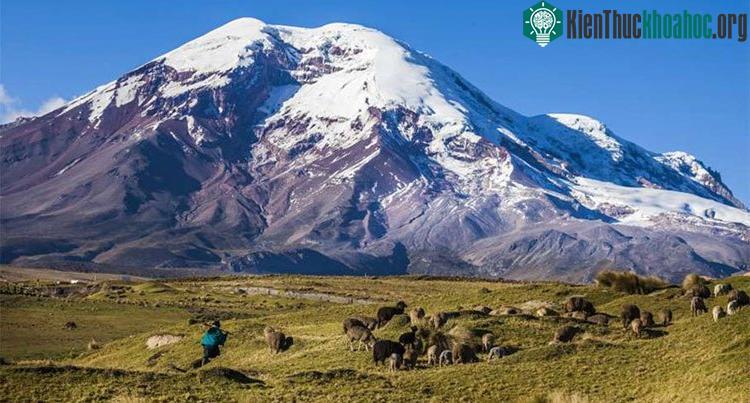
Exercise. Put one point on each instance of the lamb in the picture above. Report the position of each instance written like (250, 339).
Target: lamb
(394, 361)
(740, 296)
(628, 313)
(277, 341)
(362, 335)
(488, 340)
(578, 304)
(666, 317)
(647, 319)
(408, 338)
(721, 289)
(697, 306)
(732, 307)
(497, 352)
(432, 358)
(636, 326)
(718, 313)
(446, 357)
(385, 313)
(382, 349)
(463, 354)
(416, 315)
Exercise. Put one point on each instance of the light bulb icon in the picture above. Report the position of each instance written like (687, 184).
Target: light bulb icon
(542, 19)
(542, 22)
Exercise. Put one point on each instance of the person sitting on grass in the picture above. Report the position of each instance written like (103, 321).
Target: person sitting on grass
(211, 340)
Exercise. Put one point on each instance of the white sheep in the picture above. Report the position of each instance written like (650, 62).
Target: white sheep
(733, 307)
(718, 313)
(432, 358)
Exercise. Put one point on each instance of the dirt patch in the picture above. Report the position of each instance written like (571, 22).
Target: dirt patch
(161, 340)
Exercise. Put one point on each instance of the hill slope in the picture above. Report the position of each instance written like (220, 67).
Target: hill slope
(694, 359)
(339, 150)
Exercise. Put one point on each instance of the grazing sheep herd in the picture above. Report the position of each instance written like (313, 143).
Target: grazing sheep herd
(426, 338)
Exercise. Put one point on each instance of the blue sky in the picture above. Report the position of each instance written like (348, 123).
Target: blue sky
(690, 95)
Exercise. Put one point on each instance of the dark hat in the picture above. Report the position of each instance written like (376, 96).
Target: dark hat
(216, 323)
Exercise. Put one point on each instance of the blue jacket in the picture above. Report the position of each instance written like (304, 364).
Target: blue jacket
(213, 337)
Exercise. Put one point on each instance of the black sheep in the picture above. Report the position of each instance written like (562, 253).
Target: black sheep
(382, 350)
(628, 313)
(385, 313)
(578, 304)
(408, 338)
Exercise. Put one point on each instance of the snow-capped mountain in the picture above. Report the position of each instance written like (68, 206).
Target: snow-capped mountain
(338, 149)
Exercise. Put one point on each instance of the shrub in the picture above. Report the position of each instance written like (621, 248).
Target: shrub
(630, 283)
(692, 280)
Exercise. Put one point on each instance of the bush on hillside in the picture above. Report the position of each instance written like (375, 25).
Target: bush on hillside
(691, 281)
(630, 283)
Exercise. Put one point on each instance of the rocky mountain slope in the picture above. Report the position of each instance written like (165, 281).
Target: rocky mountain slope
(340, 150)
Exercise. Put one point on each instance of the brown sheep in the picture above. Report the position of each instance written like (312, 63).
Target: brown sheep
(578, 304)
(361, 335)
(463, 354)
(416, 315)
(565, 334)
(666, 317)
(439, 319)
(352, 322)
(277, 341)
(698, 290)
(697, 306)
(369, 322)
(628, 313)
(488, 341)
(740, 296)
(635, 326)
(599, 319)
(440, 340)
(647, 319)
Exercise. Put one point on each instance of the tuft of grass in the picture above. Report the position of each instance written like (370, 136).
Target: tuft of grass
(629, 283)
(691, 281)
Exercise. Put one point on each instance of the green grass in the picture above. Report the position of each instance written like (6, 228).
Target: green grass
(695, 359)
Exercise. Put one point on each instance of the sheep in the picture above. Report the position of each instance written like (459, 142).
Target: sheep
(362, 335)
(697, 306)
(277, 341)
(635, 326)
(418, 346)
(666, 317)
(352, 322)
(740, 296)
(385, 313)
(497, 352)
(578, 304)
(463, 354)
(718, 313)
(432, 358)
(416, 315)
(599, 319)
(410, 358)
(408, 338)
(628, 313)
(732, 307)
(440, 340)
(394, 361)
(721, 289)
(382, 349)
(565, 334)
(698, 290)
(647, 319)
(439, 319)
(70, 325)
(446, 358)
(488, 341)
(369, 322)
(544, 311)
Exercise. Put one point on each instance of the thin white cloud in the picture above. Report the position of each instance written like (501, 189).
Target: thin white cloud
(9, 110)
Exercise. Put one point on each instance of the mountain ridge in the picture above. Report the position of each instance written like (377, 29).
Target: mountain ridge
(348, 148)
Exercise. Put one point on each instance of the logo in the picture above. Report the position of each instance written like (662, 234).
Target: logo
(542, 23)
